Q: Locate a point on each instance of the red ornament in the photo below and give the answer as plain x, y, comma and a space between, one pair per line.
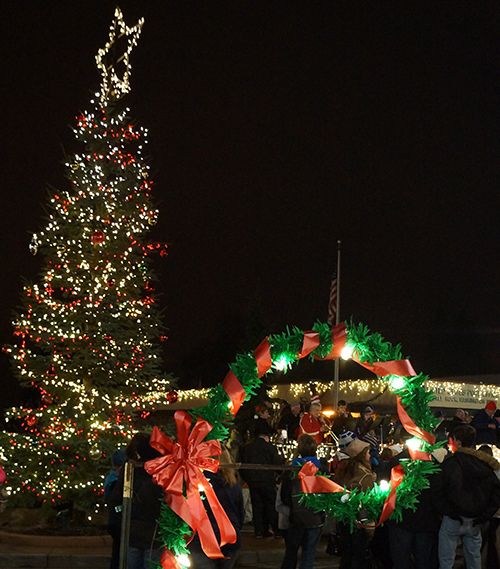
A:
51, 372
172, 396
111, 283
163, 338
46, 400
97, 237
31, 420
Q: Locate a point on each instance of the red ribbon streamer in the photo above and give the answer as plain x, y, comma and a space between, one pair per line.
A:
419, 455
391, 367
451, 445
309, 343
263, 358
410, 425
179, 473
397, 475
312, 484
403, 368
232, 386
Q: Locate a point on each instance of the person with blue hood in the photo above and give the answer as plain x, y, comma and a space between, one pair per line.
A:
118, 459
305, 524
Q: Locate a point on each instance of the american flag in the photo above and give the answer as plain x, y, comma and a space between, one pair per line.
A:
332, 302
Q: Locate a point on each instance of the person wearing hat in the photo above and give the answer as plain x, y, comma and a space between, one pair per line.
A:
261, 420
262, 483
311, 423
356, 474
365, 431
486, 425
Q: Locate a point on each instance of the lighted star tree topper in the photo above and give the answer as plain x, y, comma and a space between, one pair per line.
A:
88, 333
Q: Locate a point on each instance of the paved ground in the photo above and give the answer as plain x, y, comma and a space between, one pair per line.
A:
262, 554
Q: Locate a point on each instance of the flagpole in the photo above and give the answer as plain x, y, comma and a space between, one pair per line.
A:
337, 320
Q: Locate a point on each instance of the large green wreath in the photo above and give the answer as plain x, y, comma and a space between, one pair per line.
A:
285, 349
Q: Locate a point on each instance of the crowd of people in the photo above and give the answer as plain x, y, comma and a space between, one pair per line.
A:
461, 504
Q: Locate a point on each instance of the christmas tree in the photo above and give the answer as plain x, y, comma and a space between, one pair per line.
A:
88, 335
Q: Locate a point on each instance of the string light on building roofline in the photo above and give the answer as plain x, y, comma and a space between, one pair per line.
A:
359, 387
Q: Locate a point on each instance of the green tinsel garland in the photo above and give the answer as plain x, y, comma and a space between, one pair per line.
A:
285, 347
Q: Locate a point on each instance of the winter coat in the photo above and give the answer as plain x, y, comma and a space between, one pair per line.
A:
425, 518
231, 500
342, 423
146, 504
259, 451
300, 515
453, 424
311, 426
290, 422
481, 422
467, 486
360, 477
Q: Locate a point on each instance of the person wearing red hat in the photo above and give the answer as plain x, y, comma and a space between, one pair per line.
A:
486, 425
311, 423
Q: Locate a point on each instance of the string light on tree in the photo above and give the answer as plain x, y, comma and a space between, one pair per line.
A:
88, 335
112, 85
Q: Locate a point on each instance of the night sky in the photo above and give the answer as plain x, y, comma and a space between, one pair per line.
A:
274, 131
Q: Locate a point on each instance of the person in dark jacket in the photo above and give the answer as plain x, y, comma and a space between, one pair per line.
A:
486, 425
417, 533
467, 493
365, 431
289, 419
459, 418
342, 420
114, 527
146, 502
262, 483
228, 491
356, 474
490, 551
305, 524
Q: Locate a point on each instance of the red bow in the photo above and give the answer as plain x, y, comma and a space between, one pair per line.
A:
179, 473
312, 484
397, 475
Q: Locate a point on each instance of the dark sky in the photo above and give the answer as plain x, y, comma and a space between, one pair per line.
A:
274, 131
